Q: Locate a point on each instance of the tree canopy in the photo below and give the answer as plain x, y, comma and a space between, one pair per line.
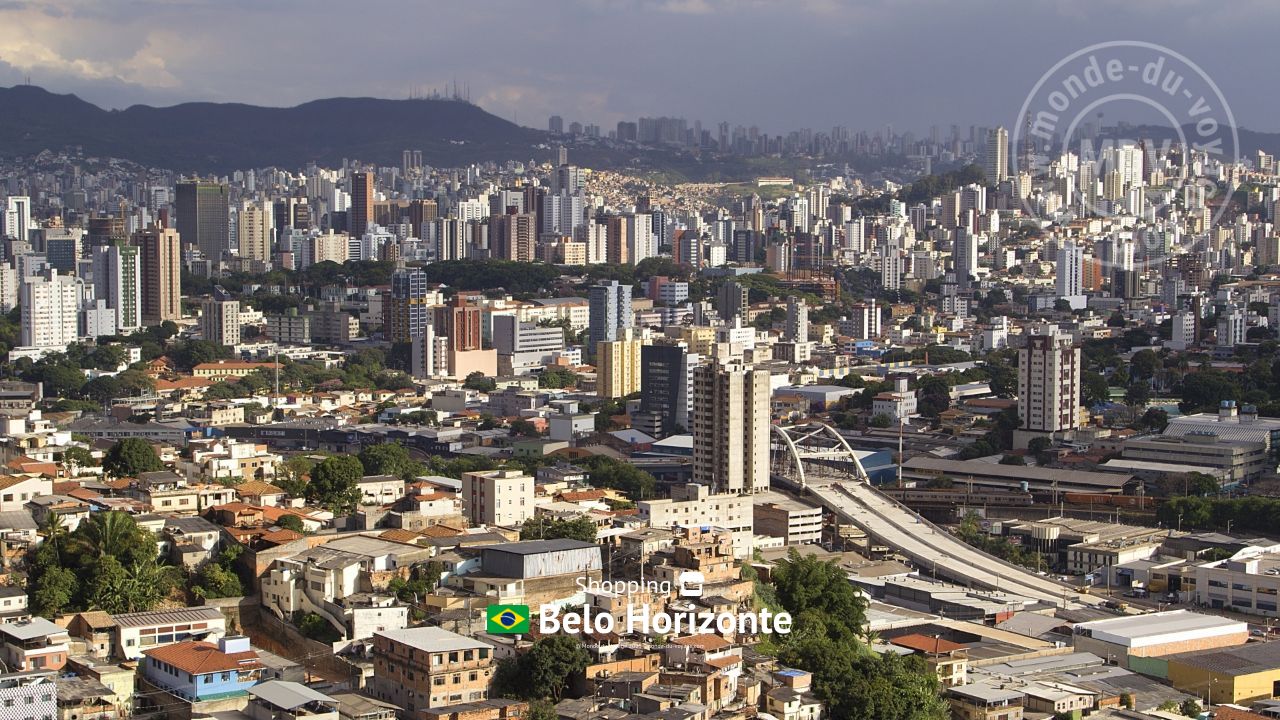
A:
129, 457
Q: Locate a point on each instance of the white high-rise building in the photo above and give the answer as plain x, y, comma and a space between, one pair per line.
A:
1049, 382
1184, 330
1231, 328
731, 427
17, 217
796, 328
117, 280
996, 161
1070, 271
644, 243
50, 310
8, 287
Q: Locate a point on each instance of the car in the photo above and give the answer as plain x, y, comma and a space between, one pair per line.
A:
1257, 633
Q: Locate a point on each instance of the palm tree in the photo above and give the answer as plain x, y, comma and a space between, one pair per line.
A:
106, 533
147, 582
55, 532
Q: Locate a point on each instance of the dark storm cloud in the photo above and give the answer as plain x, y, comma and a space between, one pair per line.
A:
777, 64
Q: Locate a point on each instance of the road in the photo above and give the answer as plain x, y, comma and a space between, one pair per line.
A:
929, 546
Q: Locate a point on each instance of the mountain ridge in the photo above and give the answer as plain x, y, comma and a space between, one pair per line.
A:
220, 137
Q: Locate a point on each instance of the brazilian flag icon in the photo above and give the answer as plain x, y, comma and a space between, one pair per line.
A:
507, 619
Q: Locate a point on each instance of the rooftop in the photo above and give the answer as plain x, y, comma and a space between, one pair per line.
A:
200, 658
1158, 628
168, 617
432, 639
1243, 660
536, 547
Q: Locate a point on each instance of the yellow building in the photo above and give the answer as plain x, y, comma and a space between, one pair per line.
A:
1231, 675
618, 366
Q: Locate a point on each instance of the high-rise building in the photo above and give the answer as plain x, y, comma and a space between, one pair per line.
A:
361, 212
617, 246
555, 125
731, 427
220, 318
1232, 327
666, 390
863, 322
996, 160
1070, 270
610, 308
204, 216
513, 236
497, 497
966, 256
255, 224
406, 311
161, 272
618, 365
731, 301
796, 328
17, 217
1049, 382
117, 279
1184, 330
460, 323
50, 310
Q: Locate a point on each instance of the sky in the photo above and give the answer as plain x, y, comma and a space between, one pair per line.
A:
776, 64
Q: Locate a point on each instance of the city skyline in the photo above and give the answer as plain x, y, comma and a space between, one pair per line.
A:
116, 55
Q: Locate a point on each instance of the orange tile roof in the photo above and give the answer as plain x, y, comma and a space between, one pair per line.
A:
280, 537
400, 535
82, 494
706, 642
201, 658
440, 531
258, 487
724, 662
580, 495
237, 364
184, 383
926, 644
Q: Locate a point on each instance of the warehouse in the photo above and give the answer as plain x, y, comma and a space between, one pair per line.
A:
1234, 675
1127, 640
983, 475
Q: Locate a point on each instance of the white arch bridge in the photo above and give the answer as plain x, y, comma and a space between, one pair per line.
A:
815, 460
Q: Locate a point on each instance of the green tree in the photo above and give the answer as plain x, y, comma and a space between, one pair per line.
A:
1093, 389
101, 389
543, 672
129, 457
334, 483
479, 381
115, 534
77, 458
292, 522
880, 421
52, 589
292, 475
540, 528
1137, 394
386, 459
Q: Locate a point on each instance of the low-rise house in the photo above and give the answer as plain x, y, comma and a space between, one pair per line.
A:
16, 490
792, 697
85, 699
199, 671
34, 644
190, 541
380, 489
257, 492
985, 701
281, 700
134, 633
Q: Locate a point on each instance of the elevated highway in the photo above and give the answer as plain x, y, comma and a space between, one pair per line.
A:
816, 461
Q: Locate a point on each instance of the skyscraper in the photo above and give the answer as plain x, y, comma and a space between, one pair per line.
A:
617, 248
255, 224
161, 254
1048, 383
618, 365
514, 236
966, 256
220, 318
666, 390
1070, 270
117, 279
610, 309
731, 300
797, 325
361, 211
460, 323
996, 162
17, 217
406, 311
731, 428
204, 216
50, 310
